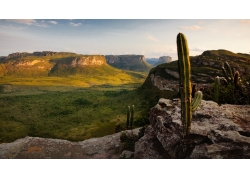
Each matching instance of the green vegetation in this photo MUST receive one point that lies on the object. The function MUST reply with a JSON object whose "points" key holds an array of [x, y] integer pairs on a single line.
{"points": [[69, 112], [185, 83], [233, 89]]}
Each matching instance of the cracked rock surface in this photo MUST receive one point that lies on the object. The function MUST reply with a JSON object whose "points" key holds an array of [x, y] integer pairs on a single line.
{"points": [[216, 131]]}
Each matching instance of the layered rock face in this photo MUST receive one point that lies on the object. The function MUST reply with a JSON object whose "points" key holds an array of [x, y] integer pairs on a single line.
{"points": [[87, 61], [128, 62], [19, 64], [216, 132]]}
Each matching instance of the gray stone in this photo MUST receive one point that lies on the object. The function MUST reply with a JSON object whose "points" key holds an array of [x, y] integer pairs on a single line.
{"points": [[216, 131], [149, 147], [127, 155]]}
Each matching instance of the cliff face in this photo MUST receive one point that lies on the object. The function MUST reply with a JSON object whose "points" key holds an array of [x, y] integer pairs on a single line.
{"points": [[163, 59], [88, 61], [48, 63], [128, 62]]}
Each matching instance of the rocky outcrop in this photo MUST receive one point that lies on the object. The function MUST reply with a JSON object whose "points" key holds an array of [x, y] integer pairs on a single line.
{"points": [[65, 64], [87, 61], [216, 132], [163, 84], [128, 62], [163, 59], [107, 147]]}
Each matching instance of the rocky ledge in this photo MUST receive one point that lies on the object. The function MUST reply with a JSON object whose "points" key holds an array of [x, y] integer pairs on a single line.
{"points": [[107, 147], [216, 132]]}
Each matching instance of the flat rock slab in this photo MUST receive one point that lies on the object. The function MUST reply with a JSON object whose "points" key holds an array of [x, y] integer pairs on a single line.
{"points": [[107, 147]]}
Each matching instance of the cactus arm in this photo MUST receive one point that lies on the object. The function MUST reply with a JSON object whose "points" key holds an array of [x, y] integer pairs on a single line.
{"points": [[225, 74], [185, 83], [197, 100], [229, 70]]}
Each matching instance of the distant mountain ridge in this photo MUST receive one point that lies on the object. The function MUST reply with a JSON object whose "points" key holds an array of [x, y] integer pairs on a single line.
{"points": [[49, 67]]}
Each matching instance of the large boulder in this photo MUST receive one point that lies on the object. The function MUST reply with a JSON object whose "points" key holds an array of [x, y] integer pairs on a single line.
{"points": [[216, 131]]}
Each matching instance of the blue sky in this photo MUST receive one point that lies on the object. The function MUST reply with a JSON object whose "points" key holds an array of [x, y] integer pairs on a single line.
{"points": [[150, 37]]}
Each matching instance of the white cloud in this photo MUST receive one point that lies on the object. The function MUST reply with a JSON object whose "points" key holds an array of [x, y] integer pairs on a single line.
{"points": [[75, 24], [23, 21], [53, 22], [194, 27], [152, 38]]}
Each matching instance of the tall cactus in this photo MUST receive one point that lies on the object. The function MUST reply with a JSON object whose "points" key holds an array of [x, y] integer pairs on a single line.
{"points": [[185, 83], [216, 89], [132, 117], [128, 116]]}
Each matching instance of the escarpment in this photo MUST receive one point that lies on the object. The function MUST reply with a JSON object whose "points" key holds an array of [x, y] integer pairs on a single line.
{"points": [[128, 62]]}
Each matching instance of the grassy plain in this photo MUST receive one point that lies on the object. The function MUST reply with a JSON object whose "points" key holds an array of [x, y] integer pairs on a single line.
{"points": [[68, 112]]}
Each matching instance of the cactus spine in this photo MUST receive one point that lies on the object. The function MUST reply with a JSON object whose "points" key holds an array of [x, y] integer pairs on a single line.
{"points": [[216, 89], [197, 99], [128, 116], [185, 83], [132, 116]]}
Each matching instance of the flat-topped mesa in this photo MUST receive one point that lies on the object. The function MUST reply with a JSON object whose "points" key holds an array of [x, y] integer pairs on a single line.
{"points": [[113, 59], [128, 62], [164, 59], [36, 53], [88, 61]]}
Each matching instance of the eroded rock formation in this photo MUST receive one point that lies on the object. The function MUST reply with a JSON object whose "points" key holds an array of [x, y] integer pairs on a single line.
{"points": [[163, 59], [216, 132], [128, 62]]}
